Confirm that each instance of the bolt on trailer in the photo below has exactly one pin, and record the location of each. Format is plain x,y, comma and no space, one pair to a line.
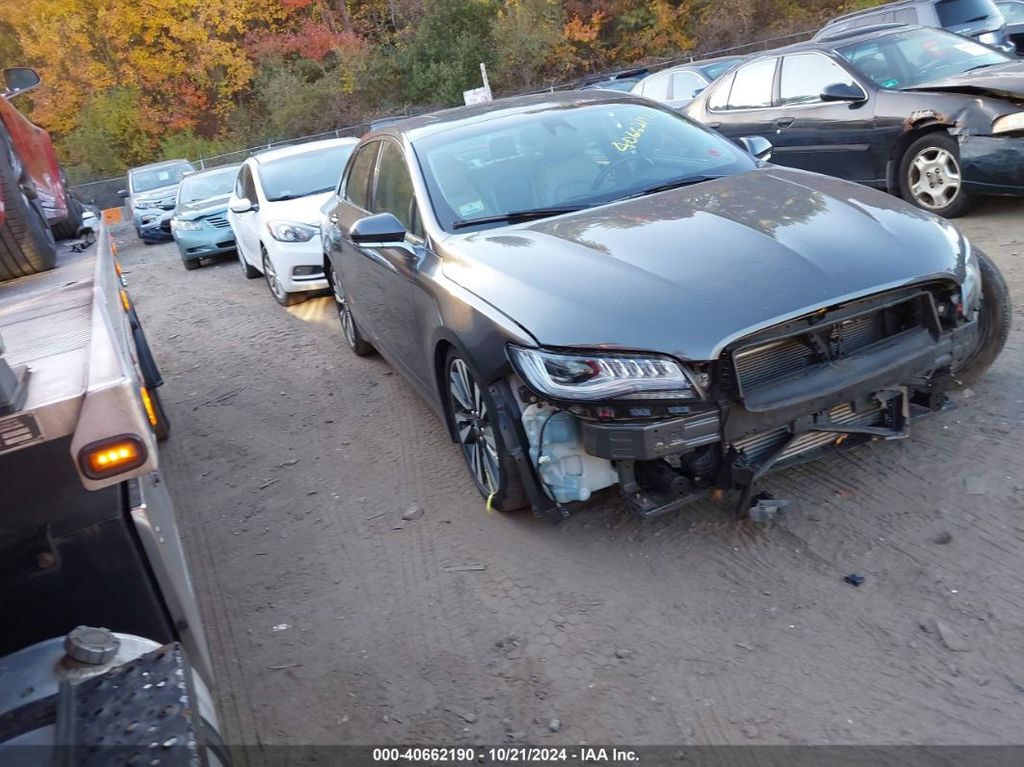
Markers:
104,641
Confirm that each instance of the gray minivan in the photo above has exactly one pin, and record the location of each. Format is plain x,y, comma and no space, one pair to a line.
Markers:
978,19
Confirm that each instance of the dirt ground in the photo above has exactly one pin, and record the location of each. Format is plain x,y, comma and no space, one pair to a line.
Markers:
332,620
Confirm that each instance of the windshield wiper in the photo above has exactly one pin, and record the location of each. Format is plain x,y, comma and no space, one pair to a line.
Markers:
677,184
517,215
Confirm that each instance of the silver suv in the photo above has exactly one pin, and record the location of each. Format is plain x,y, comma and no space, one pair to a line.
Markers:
979,19
151,194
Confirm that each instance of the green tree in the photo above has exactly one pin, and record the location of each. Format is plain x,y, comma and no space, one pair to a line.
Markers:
526,37
111,133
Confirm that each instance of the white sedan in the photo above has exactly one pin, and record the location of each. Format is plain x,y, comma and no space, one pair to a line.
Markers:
274,212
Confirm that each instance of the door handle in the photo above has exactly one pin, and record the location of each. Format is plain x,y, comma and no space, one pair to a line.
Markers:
714,126
785,122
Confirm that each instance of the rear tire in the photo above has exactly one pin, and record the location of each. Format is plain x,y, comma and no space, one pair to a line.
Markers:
995,316
27,245
931,176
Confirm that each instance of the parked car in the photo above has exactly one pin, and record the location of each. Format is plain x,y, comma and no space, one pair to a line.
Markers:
621,296
677,86
199,221
151,193
32,194
916,111
622,80
1013,12
978,19
274,212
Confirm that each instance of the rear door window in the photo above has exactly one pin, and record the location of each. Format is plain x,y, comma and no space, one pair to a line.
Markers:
656,87
752,86
357,182
719,98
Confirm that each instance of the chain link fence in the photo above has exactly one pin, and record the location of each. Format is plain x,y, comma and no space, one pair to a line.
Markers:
104,192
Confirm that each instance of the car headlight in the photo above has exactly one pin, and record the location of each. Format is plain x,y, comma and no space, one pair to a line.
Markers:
289,231
145,203
181,225
594,377
1011,123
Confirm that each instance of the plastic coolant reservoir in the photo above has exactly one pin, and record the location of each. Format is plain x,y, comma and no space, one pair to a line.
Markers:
568,473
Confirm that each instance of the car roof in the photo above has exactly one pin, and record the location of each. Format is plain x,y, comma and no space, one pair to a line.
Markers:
697,64
296,149
433,123
603,77
214,169
831,42
161,164
877,9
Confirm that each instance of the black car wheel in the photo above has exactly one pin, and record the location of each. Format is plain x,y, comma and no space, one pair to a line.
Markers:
930,176
359,346
27,245
994,317
471,416
192,263
277,290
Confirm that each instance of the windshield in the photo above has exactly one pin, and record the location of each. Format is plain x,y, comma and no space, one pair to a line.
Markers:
566,157
916,56
204,186
299,175
957,13
154,178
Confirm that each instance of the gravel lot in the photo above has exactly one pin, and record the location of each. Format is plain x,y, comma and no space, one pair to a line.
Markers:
332,620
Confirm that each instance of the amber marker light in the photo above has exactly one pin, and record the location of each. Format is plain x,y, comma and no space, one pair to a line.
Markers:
147,402
125,302
112,456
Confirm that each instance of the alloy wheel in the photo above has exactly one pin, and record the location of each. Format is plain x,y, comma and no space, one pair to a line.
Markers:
344,312
473,427
273,282
934,178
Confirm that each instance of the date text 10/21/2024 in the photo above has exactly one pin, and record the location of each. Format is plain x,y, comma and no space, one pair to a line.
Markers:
502,754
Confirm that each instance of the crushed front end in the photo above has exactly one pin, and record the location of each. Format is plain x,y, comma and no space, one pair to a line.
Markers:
839,376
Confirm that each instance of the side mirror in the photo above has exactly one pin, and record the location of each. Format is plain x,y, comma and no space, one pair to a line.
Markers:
843,92
758,146
19,80
122,192
381,229
243,205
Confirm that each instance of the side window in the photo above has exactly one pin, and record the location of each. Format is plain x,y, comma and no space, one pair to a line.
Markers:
686,84
719,98
393,191
244,186
1012,12
357,183
656,87
752,87
239,184
805,75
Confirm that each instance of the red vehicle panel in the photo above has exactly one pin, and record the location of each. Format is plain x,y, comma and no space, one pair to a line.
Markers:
35,149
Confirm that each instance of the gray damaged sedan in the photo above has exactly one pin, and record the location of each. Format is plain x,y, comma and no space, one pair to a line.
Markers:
592,290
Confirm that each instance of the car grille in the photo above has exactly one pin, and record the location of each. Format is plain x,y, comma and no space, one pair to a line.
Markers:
218,222
759,446
759,365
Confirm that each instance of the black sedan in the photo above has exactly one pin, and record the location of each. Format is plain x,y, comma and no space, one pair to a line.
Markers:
919,112
593,290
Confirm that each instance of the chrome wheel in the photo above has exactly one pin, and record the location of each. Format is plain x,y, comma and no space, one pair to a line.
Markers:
272,280
348,325
473,427
934,178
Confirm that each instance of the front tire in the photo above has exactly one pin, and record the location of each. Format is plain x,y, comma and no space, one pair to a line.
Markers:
472,417
995,317
359,346
931,177
191,264
250,272
277,290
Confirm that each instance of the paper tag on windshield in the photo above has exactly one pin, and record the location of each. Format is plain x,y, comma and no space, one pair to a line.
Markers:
972,49
470,208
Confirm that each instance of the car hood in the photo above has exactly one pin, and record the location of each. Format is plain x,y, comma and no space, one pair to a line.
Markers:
302,210
201,208
1003,80
160,193
688,271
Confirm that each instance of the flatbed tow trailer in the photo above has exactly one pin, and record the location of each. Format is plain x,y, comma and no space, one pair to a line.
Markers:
102,654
